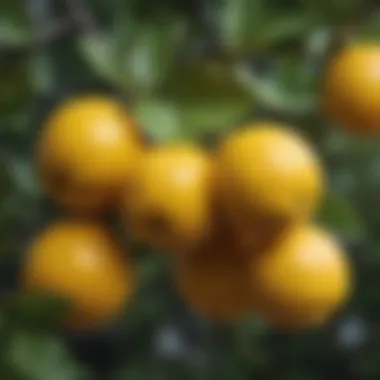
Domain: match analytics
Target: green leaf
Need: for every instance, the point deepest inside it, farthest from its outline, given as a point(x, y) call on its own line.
point(294, 76)
point(251, 25)
point(273, 94)
point(339, 215)
point(208, 97)
point(15, 23)
point(247, 338)
point(42, 73)
point(6, 183)
point(239, 22)
point(35, 310)
point(15, 87)
point(159, 119)
point(371, 29)
point(8, 197)
point(24, 177)
point(41, 357)
point(99, 51)
point(278, 30)
point(146, 62)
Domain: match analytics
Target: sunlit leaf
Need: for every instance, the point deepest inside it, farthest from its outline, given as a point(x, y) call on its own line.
point(99, 52)
point(160, 120)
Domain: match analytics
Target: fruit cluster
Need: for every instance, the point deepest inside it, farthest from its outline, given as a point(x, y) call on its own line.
point(237, 222)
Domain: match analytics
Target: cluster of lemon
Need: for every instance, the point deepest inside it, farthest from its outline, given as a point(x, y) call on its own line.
point(237, 222)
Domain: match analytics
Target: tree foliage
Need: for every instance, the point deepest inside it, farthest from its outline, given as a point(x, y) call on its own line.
point(192, 69)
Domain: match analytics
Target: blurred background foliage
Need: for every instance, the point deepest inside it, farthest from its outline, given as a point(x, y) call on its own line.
point(189, 69)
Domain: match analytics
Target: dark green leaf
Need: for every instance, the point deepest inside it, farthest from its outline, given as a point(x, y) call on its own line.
point(280, 29)
point(340, 216)
point(239, 22)
point(272, 94)
point(24, 177)
point(208, 97)
point(35, 310)
point(15, 23)
point(42, 73)
point(15, 87)
point(147, 60)
point(371, 29)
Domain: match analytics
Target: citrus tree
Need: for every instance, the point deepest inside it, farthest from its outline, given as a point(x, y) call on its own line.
point(189, 189)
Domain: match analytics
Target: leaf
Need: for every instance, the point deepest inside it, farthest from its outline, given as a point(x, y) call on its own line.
point(6, 183)
point(339, 215)
point(250, 25)
point(15, 23)
point(41, 357)
point(294, 76)
point(98, 50)
point(371, 28)
point(274, 95)
point(35, 310)
point(147, 61)
point(159, 119)
point(280, 29)
point(208, 98)
point(24, 177)
point(15, 88)
point(240, 22)
point(42, 73)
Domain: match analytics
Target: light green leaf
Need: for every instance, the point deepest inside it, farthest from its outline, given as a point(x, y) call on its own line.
point(99, 52)
point(200, 119)
point(41, 357)
point(159, 119)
